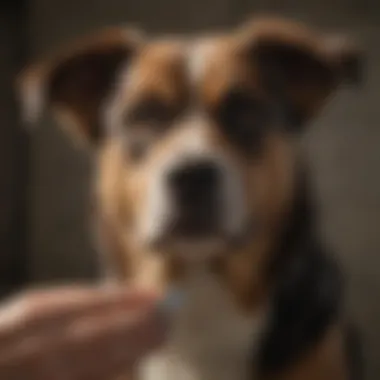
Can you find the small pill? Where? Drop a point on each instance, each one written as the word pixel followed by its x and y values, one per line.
pixel 172 302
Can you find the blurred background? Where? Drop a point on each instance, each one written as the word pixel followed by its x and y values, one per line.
pixel 45 181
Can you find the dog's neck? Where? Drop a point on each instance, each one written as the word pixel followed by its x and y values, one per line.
pixel 300 224
pixel 307 287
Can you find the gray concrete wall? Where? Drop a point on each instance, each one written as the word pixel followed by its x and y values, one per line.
pixel 343 144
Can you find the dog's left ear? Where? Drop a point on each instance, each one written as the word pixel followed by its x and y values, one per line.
pixel 74 82
pixel 298 68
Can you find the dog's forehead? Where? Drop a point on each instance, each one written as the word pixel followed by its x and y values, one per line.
pixel 199 64
pixel 204 54
pixel 194 54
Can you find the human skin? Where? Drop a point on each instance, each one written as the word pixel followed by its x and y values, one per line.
pixel 77 333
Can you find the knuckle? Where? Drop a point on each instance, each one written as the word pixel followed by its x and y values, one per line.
pixel 29 303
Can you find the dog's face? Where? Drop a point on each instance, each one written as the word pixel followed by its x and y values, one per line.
pixel 201 130
pixel 202 159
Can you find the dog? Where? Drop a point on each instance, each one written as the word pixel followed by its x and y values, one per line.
pixel 201 185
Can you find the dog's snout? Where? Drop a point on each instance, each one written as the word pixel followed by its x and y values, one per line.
pixel 194 182
pixel 199 178
pixel 195 188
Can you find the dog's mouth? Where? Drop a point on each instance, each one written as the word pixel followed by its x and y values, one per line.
pixel 203 241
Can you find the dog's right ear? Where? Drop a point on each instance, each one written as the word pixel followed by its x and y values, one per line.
pixel 299 67
pixel 75 82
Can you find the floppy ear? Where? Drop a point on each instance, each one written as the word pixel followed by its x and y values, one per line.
pixel 298 68
pixel 75 82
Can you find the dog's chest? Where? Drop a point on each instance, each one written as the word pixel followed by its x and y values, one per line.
pixel 210 338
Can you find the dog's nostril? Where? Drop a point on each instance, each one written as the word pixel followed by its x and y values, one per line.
pixel 199 177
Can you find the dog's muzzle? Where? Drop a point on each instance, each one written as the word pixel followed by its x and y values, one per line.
pixel 196 192
pixel 195 201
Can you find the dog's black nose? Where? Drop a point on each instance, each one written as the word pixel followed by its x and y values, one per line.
pixel 198 179
pixel 195 188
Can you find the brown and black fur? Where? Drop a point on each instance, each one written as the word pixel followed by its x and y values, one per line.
pixel 286 71
pixel 309 295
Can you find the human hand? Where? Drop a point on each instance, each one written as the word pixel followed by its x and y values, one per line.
pixel 77 333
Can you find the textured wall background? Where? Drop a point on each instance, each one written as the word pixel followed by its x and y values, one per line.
pixel 13 153
pixel 343 144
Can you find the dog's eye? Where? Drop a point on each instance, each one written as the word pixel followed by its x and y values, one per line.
pixel 151 111
pixel 137 143
pixel 144 122
pixel 243 120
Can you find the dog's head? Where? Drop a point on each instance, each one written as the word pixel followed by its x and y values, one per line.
pixel 199 133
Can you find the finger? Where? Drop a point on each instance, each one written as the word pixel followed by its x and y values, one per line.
pixel 89 344
pixel 122 364
pixel 106 345
pixel 90 354
pixel 50 309
pixel 31 361
pixel 47 304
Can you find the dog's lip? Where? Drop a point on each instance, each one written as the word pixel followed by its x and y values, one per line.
pixel 168 242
